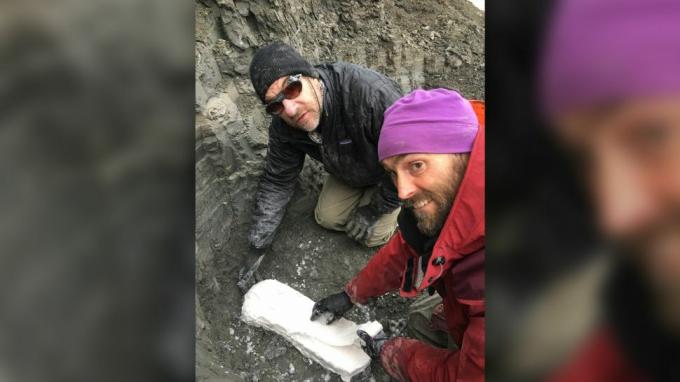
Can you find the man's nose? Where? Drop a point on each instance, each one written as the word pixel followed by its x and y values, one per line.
pixel 290 107
pixel 406 189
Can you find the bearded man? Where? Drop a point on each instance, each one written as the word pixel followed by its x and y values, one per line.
pixel 432 144
pixel 611 89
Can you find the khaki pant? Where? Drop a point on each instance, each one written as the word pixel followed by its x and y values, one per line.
pixel 336 203
pixel 419 322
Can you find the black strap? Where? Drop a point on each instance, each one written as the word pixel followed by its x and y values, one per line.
pixel 423 245
pixel 408 278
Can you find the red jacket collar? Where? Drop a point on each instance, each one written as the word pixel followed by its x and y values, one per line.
pixel 464 230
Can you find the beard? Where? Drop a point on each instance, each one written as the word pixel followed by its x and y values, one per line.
pixel 442 195
pixel 656 250
pixel 311 122
pixel 431 224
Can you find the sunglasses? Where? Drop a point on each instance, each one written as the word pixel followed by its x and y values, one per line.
pixel 292 89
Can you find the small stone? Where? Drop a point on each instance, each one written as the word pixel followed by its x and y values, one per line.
pixel 243 8
pixel 241 69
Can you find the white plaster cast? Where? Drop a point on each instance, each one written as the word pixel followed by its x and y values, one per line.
pixel 275 306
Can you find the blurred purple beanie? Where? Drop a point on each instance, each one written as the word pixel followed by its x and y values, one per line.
pixel 438 121
pixel 608 50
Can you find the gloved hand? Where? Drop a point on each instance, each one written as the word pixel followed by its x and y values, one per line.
pixel 362 222
pixel 249 267
pixel 372 345
pixel 331 308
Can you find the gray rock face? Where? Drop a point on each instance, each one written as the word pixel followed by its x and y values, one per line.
pixel 417 43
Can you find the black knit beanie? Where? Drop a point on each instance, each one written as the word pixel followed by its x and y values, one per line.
pixel 274 61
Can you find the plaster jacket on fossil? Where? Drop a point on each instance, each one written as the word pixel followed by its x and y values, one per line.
pixel 275 306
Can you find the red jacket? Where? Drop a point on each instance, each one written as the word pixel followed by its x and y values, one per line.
pixel 456 270
pixel 599 360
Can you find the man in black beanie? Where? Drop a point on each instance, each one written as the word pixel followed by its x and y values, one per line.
pixel 332 113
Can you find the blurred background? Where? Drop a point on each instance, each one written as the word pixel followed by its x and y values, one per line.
pixel 538 224
pixel 96 191
pixel 583 195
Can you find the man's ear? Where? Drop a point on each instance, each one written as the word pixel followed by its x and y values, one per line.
pixel 386 165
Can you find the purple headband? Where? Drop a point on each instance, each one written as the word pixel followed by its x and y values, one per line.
pixel 608 50
pixel 437 121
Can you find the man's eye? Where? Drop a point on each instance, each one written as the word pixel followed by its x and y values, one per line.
pixel 652 134
pixel 649 140
pixel 417 167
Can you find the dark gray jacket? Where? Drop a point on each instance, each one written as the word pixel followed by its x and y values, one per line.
pixel 354 102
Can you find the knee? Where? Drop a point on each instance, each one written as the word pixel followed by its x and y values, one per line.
pixel 378 240
pixel 326 219
pixel 383 232
pixel 415 322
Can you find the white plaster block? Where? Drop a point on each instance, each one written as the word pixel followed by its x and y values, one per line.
pixel 275 306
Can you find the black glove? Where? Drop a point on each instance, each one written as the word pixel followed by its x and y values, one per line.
pixel 362 222
pixel 249 267
pixel 331 308
pixel 372 345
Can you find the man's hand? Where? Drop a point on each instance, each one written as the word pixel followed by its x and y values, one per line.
pixel 248 268
pixel 331 308
pixel 372 345
pixel 361 223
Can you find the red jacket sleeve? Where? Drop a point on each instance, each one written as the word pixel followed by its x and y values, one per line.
pixel 407 359
pixel 382 273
